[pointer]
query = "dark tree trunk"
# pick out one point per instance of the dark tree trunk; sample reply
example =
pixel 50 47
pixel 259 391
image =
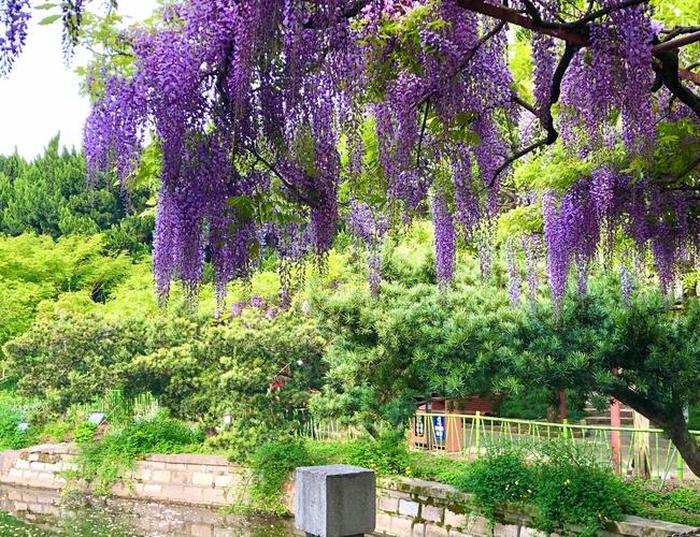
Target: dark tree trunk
pixel 671 420
pixel 684 441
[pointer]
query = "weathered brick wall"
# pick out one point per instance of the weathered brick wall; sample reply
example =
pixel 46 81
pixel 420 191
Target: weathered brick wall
pixel 405 507
pixel 190 479
pixel 416 508
pixel 42 508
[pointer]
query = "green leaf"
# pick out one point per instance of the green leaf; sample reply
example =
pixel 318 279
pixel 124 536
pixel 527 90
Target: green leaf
pixel 48 5
pixel 50 19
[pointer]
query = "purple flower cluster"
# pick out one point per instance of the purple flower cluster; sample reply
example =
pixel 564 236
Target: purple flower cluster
pixel 515 279
pixel 445 240
pixel 250 100
pixel 532 246
pixel 369 227
pixel 614 73
pixel 14 20
pixel 544 56
pixel 255 302
pixel 112 134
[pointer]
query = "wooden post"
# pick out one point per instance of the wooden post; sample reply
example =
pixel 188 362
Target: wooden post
pixel 642 462
pixel 562 404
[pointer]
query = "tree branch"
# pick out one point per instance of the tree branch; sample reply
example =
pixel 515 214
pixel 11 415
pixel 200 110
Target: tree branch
pixel 422 132
pixel 522 102
pixel 223 92
pixel 677 43
pixel 506 14
pixel 668 71
pixel 679 30
pixel 545 115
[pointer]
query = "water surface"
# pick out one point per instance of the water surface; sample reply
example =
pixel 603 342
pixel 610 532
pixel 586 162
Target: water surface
pixel 28 512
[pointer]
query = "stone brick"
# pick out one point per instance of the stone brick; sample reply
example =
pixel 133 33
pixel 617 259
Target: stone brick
pixel 335 499
pixel 151 489
pixel 192 494
pixel 478 526
pixel 181 478
pixel 390 505
pixel 213 495
pixel 175 492
pixel 408 508
pixel 197 468
pixel 506 530
pixel 120 489
pixel 217 469
pixel 383 522
pixel 223 532
pixel 431 530
pixel 530 532
pixel 455 520
pixel 418 530
pixel 15 472
pixel 401 526
pixel 142 473
pixel 22 465
pixel 199 530
pixel 202 479
pixel 223 481
pixel 161 476
pixel 432 513
pixel 176 466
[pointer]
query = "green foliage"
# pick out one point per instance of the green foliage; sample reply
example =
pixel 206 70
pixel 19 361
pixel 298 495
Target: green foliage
pixel 13 411
pixel 570 490
pixel 554 482
pixel 673 504
pixel 85 433
pixel 386 455
pixel 102 463
pixel 35 269
pixel 73 358
pixel 440 468
pixel 50 196
pixel 502 478
pixel 272 465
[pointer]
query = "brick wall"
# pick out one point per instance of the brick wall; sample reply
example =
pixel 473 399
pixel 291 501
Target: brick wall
pixel 416 508
pixel 189 479
pixel 405 507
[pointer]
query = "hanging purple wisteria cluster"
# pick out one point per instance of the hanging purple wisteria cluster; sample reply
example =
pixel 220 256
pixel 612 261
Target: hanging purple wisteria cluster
pixel 14 20
pixel 254 103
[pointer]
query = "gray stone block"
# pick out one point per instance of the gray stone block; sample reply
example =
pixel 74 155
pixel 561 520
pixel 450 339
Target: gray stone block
pixel 335 501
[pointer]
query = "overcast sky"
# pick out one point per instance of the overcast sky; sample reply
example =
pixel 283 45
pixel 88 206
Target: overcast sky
pixel 41 96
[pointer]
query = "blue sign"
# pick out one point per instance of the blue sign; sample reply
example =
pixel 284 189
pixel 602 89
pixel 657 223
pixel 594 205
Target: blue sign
pixel 439 429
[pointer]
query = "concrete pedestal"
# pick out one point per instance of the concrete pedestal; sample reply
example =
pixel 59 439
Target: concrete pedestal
pixel 335 501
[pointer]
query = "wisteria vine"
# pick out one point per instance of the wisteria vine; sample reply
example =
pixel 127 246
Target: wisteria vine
pixel 267 112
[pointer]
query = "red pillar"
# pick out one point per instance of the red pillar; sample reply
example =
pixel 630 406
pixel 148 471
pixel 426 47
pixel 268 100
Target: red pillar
pixel 615 421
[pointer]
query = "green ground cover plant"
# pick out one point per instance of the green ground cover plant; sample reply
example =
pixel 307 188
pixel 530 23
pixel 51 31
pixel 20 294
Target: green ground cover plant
pixel 102 462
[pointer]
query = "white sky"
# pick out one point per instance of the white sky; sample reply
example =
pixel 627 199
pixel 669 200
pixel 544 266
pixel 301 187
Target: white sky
pixel 41 96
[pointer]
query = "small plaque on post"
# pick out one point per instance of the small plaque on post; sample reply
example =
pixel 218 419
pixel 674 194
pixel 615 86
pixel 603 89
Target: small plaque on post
pixel 335 501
